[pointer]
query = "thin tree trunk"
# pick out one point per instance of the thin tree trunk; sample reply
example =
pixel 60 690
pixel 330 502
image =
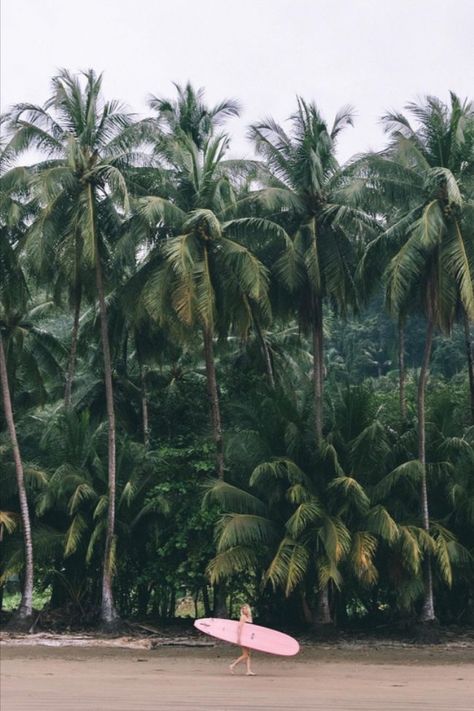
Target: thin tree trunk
pixel 317 335
pixel 323 612
pixel 318 371
pixel 427 613
pixel 108 613
pixel 144 394
pixel 321 361
pixel 71 367
pixel 263 347
pixel 26 606
pixel 214 400
pixel 205 601
pixel 401 370
pixel 470 360
pixel 220 600
pixel 172 604
pixel 306 610
pixel 145 419
pixel 2 587
pixel 266 356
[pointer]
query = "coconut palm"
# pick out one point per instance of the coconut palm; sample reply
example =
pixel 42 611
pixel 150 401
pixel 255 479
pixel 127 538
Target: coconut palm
pixel 205 275
pixel 73 506
pixel 88 145
pixel 422 174
pixel 189 114
pixel 292 528
pixel 14 295
pixel 299 521
pixel 307 192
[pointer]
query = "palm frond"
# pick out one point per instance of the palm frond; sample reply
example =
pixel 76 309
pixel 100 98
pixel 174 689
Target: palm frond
pixel 363 549
pixel 233 560
pixel 244 529
pixel 382 524
pixel 232 499
pixel 74 535
pixel 288 567
pixel 308 513
pixel 410 471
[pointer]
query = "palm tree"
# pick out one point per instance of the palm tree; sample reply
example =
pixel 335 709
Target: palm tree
pixel 13 295
pixel 281 531
pixel 298 528
pixel 188 114
pixel 74 503
pixel 307 192
pixel 422 173
pixel 205 275
pixel 88 145
pixel 26 606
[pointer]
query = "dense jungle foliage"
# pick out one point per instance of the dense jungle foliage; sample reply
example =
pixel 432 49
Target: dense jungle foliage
pixel 228 380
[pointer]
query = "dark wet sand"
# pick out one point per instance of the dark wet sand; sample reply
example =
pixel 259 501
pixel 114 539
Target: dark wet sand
pixel 320 678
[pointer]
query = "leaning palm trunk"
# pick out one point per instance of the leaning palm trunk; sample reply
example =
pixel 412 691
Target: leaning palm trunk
pixel 214 400
pixel 470 360
pixel 26 606
pixel 427 613
pixel 263 345
pixel 71 367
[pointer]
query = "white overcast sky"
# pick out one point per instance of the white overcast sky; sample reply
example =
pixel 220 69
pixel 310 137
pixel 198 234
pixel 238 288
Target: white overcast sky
pixel 373 54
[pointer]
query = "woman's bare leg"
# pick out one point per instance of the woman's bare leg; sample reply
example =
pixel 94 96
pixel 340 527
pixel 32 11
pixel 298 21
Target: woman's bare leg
pixel 249 670
pixel 243 657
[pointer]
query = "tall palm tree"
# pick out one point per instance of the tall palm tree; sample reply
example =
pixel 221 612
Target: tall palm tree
pixel 13 296
pixel 307 192
pixel 189 114
pixel 205 275
pixel 422 174
pixel 88 146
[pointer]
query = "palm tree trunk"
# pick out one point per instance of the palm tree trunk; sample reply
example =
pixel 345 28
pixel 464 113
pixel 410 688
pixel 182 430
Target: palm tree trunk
pixel 108 613
pixel 145 418
pixel 205 601
pixel 401 370
pixel 427 613
pixel 266 356
pixel 220 601
pixel 71 367
pixel 263 347
pixel 323 612
pixel 26 606
pixel 318 370
pixel 321 362
pixel 470 360
pixel 214 400
pixel 144 394
pixel 306 610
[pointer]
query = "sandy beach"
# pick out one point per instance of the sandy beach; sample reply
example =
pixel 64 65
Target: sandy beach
pixel 358 677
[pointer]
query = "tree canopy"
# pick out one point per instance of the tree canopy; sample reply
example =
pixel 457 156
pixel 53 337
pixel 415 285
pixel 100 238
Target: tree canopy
pixel 238 379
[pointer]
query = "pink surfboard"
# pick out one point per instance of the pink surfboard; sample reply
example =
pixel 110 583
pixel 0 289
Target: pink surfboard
pixel 256 637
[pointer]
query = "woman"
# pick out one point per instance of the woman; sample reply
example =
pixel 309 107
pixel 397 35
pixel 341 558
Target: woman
pixel 245 617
